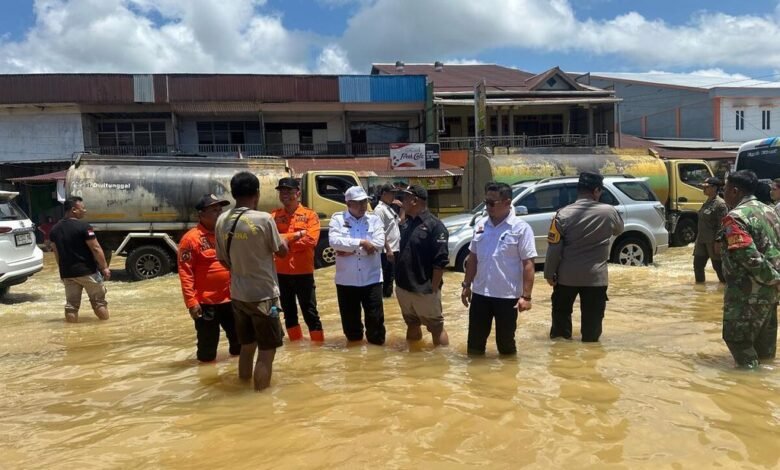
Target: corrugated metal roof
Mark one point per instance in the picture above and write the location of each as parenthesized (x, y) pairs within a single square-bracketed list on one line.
[(219, 107), (66, 88), (382, 89), (630, 141), (143, 88), (354, 89), (265, 88)]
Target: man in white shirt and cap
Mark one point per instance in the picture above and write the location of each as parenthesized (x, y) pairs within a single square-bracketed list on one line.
[(359, 239)]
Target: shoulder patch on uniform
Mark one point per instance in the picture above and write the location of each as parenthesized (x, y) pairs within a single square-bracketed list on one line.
[(554, 235), (186, 255), (736, 237)]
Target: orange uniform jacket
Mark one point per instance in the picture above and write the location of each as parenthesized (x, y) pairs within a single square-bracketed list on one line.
[(203, 278), (300, 260)]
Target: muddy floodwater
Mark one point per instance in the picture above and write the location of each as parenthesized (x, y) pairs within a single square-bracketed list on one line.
[(659, 391)]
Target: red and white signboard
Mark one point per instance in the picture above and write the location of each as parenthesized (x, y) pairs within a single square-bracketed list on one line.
[(407, 156)]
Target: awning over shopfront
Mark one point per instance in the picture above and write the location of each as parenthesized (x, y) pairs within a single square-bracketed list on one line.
[(45, 178)]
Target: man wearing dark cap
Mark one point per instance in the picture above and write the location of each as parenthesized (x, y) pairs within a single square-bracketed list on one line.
[(710, 215), (300, 226), (576, 261), (205, 283), (420, 267), (389, 219)]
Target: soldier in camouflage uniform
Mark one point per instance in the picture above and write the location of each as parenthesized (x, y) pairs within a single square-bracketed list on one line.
[(710, 215), (751, 265)]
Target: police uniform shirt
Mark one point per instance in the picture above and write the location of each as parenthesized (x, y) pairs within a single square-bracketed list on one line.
[(355, 267), (578, 243), (500, 251), (423, 248)]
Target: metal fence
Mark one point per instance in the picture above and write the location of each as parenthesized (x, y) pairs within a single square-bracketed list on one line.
[(554, 140)]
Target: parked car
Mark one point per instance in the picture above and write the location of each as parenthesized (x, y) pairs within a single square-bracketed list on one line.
[(20, 257), (645, 234)]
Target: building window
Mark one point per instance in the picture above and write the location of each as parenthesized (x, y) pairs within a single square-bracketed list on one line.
[(116, 135), (765, 120), (740, 120), (228, 133), (376, 132)]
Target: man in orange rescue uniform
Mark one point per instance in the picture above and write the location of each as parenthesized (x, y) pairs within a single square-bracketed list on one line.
[(205, 283), (300, 226)]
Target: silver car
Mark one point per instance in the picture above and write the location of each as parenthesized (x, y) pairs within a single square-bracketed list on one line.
[(537, 202), (20, 257)]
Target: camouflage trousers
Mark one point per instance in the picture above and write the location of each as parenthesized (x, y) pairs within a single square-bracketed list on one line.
[(751, 334)]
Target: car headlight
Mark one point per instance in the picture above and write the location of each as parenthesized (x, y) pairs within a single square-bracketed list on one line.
[(455, 228)]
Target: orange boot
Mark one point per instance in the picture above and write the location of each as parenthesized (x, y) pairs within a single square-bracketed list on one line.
[(318, 336), (295, 333)]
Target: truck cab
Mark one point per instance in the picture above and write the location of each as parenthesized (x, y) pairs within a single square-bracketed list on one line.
[(685, 197)]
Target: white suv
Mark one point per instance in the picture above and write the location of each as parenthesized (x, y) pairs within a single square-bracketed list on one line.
[(537, 202), (20, 257)]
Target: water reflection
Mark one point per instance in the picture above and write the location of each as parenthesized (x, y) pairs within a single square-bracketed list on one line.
[(658, 391)]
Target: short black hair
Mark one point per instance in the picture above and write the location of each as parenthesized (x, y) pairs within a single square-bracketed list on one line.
[(744, 180), (244, 184), (70, 203), (503, 189), (386, 188)]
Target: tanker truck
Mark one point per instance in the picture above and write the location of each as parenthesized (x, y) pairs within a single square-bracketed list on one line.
[(676, 183), (140, 207)]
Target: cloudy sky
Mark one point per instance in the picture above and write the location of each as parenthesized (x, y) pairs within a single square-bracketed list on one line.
[(703, 42)]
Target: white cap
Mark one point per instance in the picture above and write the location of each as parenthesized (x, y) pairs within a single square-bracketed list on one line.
[(355, 193)]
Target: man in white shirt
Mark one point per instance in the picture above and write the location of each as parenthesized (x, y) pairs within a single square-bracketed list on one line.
[(359, 238), (499, 272), (389, 219)]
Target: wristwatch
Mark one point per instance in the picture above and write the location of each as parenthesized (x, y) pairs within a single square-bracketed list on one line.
[(525, 297), (464, 285)]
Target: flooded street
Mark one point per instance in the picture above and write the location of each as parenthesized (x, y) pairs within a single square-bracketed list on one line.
[(660, 389)]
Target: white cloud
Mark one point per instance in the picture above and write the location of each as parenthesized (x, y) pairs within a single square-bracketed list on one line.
[(333, 61), (246, 36), (122, 36), (705, 78), (414, 31)]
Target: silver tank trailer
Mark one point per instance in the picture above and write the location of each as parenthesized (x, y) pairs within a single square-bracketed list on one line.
[(130, 193)]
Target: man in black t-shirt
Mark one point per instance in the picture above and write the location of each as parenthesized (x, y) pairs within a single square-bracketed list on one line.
[(420, 266), (81, 261)]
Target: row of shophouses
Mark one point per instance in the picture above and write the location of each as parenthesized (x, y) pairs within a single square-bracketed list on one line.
[(334, 122)]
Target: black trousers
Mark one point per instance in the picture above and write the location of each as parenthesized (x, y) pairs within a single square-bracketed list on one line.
[(207, 328), (593, 302), (482, 311), (300, 286), (351, 299), (388, 275)]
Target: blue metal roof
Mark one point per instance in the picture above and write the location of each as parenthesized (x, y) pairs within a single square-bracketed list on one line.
[(381, 88)]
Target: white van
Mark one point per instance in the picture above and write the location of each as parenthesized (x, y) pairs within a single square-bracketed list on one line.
[(20, 257)]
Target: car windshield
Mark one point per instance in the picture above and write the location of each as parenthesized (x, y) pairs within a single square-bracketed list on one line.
[(516, 190), (10, 211)]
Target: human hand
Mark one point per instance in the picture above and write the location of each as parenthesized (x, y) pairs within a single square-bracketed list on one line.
[(390, 256), (523, 305), (368, 247), (196, 311), (465, 296), (551, 282), (106, 272)]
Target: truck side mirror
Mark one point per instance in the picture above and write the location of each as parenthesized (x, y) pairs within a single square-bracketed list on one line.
[(521, 210)]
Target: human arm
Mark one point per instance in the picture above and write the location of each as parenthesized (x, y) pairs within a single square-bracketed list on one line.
[(468, 279), (554, 251), (439, 249), (337, 240), (742, 250), (185, 265), (617, 223), (276, 243), (306, 234), (524, 302), (100, 258), (377, 240)]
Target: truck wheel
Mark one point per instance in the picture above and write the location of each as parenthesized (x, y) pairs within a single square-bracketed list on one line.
[(3, 291), (460, 261), (685, 232), (630, 252), (148, 261), (324, 255)]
